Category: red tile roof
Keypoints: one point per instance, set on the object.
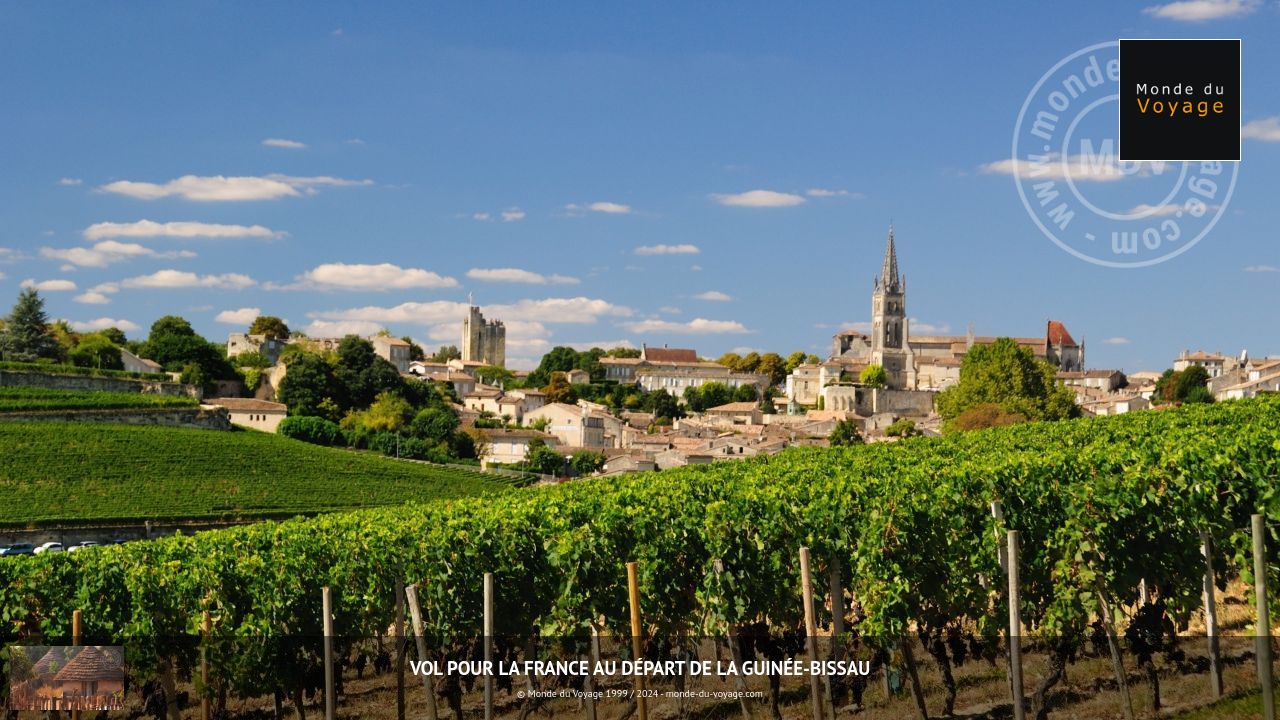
(1058, 334)
(669, 354)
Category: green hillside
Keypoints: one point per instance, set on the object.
(24, 399)
(54, 473)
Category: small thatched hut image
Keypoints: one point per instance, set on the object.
(68, 678)
(91, 673)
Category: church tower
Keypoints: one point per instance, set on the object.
(889, 347)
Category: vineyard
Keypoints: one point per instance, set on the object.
(1102, 506)
(76, 370)
(26, 399)
(66, 474)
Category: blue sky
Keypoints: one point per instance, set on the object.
(587, 172)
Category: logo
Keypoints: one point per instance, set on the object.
(1067, 168)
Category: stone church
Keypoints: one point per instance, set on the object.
(913, 362)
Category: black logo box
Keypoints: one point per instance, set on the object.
(1187, 68)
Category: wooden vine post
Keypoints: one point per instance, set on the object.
(415, 614)
(1113, 643)
(401, 647)
(77, 637)
(326, 605)
(811, 633)
(637, 641)
(206, 628)
(1211, 616)
(734, 653)
(1015, 627)
(488, 646)
(835, 594)
(1263, 630)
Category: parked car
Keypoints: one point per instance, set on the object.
(18, 549)
(82, 545)
(51, 547)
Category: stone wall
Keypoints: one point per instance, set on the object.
(89, 383)
(105, 532)
(902, 402)
(204, 417)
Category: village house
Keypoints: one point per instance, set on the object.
(674, 370)
(735, 413)
(1214, 363)
(1107, 380)
(247, 412)
(511, 447)
(133, 363)
(572, 425)
(393, 350)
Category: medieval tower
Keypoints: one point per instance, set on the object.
(889, 348)
(483, 340)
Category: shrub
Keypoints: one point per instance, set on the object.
(902, 428)
(314, 430)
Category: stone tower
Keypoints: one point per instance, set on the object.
(483, 340)
(889, 347)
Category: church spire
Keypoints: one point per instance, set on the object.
(889, 278)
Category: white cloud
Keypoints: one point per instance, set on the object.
(354, 141)
(1197, 10)
(180, 279)
(49, 285)
(668, 309)
(219, 188)
(341, 328)
(825, 193)
(103, 323)
(602, 344)
(1080, 168)
(92, 297)
(107, 252)
(481, 216)
(512, 214)
(2, 276)
(243, 316)
(150, 228)
(1262, 269)
(516, 275)
(713, 296)
(1116, 341)
(667, 250)
(610, 207)
(758, 199)
(575, 310)
(1267, 129)
(283, 143)
(70, 181)
(697, 326)
(384, 276)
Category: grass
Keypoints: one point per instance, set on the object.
(25, 399)
(1242, 707)
(83, 473)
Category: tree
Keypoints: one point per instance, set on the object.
(709, 395)
(388, 413)
(175, 345)
(774, 366)
(873, 376)
(543, 460)
(986, 415)
(314, 430)
(745, 393)
(96, 351)
(766, 402)
(663, 405)
(416, 353)
(1193, 385)
(115, 335)
(434, 423)
(586, 462)
(795, 360)
(65, 335)
(623, 352)
(269, 325)
(311, 388)
(844, 434)
(363, 373)
(1010, 377)
(27, 336)
(902, 427)
(445, 354)
(493, 375)
(560, 359)
(558, 390)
